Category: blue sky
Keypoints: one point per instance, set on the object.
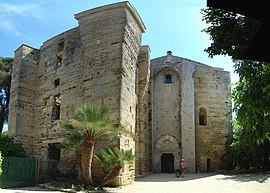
(170, 25)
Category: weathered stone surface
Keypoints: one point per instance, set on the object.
(156, 106)
(176, 131)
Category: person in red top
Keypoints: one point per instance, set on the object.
(182, 168)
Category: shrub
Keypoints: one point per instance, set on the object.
(9, 147)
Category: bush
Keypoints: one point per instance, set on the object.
(9, 147)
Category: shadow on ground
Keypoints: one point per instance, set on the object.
(258, 177)
(33, 189)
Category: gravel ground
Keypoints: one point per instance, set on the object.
(191, 183)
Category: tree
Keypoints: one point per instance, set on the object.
(89, 124)
(231, 34)
(5, 82)
(113, 160)
(251, 98)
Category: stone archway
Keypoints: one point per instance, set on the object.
(169, 140)
(166, 154)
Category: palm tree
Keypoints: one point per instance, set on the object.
(89, 124)
(113, 160)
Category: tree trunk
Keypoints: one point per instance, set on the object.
(111, 175)
(86, 160)
(79, 165)
(78, 154)
(2, 119)
(266, 155)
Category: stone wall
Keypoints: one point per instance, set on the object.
(23, 96)
(142, 137)
(212, 92)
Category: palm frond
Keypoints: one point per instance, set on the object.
(65, 125)
(111, 158)
(72, 141)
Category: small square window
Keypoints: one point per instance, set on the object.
(57, 82)
(54, 152)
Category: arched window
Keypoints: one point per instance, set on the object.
(168, 79)
(202, 116)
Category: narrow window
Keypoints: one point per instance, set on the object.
(59, 54)
(202, 116)
(57, 82)
(53, 152)
(59, 59)
(56, 108)
(60, 46)
(168, 79)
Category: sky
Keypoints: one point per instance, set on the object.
(173, 25)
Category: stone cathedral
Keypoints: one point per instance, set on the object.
(167, 108)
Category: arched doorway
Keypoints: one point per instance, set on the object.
(167, 163)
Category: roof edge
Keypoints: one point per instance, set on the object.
(124, 4)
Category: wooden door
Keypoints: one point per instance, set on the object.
(167, 160)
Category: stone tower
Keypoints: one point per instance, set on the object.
(101, 61)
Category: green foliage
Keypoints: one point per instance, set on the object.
(9, 147)
(251, 97)
(243, 150)
(112, 161)
(111, 158)
(73, 139)
(228, 157)
(90, 122)
(0, 163)
(5, 82)
(230, 32)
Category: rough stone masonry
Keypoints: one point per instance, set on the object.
(167, 108)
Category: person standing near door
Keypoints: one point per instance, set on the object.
(181, 167)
